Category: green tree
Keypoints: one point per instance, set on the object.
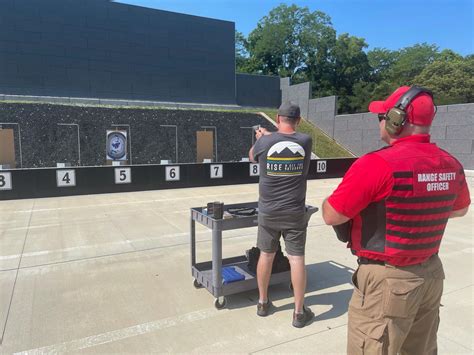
(410, 62)
(450, 77)
(285, 38)
(351, 66)
(241, 53)
(380, 61)
(391, 69)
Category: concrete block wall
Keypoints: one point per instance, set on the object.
(321, 113)
(299, 93)
(452, 130)
(470, 180)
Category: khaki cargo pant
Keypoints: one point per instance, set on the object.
(395, 309)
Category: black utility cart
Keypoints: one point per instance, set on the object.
(208, 274)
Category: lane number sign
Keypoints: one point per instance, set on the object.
(66, 178)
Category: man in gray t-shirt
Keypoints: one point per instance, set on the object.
(284, 158)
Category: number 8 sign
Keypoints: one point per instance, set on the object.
(254, 170)
(5, 181)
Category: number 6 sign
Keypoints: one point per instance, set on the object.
(172, 173)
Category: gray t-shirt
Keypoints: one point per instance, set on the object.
(284, 163)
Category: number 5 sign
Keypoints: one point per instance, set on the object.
(123, 176)
(65, 178)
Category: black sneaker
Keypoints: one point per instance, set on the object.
(301, 319)
(263, 308)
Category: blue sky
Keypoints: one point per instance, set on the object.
(386, 24)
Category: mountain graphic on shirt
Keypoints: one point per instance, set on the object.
(285, 159)
(280, 147)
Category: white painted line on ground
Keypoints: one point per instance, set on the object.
(96, 246)
(33, 227)
(453, 239)
(124, 333)
(204, 197)
(457, 252)
(113, 244)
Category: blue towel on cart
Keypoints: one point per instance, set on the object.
(229, 274)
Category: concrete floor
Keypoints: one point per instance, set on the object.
(111, 274)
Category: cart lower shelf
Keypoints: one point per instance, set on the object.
(202, 273)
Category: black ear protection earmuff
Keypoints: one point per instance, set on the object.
(396, 117)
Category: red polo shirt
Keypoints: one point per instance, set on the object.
(370, 179)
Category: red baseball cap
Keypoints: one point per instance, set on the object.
(420, 111)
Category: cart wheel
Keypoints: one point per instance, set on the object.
(290, 286)
(196, 284)
(220, 305)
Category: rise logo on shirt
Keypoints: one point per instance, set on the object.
(285, 159)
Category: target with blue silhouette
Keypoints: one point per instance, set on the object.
(116, 145)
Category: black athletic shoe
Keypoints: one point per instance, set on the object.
(301, 319)
(264, 308)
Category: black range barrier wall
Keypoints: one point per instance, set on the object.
(258, 90)
(103, 49)
(49, 182)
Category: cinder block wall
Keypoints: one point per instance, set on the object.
(452, 130)
(321, 113)
(299, 93)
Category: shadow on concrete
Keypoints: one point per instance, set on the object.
(320, 276)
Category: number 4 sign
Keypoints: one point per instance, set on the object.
(65, 178)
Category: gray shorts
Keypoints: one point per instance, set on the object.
(292, 227)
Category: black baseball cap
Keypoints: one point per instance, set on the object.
(289, 109)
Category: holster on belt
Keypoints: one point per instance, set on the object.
(343, 231)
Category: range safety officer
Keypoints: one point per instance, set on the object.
(392, 208)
